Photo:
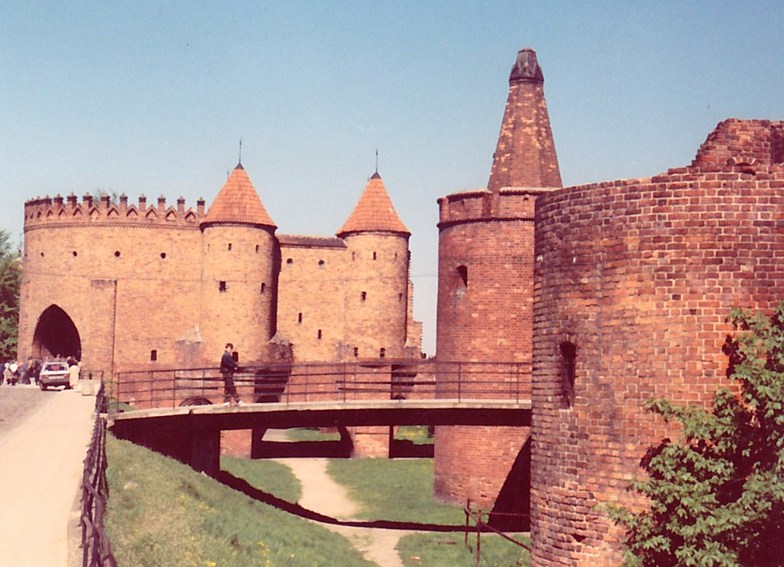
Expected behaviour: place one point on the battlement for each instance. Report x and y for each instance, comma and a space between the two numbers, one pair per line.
748, 144
49, 211
508, 203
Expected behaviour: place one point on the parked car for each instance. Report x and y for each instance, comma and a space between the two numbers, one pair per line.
54, 373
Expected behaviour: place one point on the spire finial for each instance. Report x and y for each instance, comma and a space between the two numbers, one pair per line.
240, 160
376, 160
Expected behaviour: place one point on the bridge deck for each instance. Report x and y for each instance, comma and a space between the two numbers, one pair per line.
356, 412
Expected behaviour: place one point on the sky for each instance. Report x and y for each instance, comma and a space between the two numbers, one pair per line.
153, 98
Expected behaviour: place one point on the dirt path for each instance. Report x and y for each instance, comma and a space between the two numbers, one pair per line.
321, 494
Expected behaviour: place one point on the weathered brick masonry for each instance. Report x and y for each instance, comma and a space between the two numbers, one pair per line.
634, 280
485, 292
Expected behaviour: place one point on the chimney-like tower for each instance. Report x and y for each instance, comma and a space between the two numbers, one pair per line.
485, 295
525, 155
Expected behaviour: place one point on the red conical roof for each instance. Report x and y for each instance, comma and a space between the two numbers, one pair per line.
238, 203
374, 211
525, 154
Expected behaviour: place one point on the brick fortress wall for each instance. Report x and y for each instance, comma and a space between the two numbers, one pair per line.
112, 268
137, 282
634, 280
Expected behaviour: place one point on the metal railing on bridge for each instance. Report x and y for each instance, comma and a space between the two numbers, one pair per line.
312, 382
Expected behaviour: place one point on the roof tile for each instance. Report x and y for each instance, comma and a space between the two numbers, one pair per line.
238, 202
374, 211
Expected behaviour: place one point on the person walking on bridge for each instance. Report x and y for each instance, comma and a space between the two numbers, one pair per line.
227, 368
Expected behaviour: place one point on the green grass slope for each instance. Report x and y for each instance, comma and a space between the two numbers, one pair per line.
161, 513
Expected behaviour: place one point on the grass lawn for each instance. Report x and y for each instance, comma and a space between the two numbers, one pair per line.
449, 550
394, 489
162, 513
417, 434
403, 490
269, 476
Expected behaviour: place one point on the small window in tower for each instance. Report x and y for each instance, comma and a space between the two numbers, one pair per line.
263, 287
229, 247
75, 253
353, 256
319, 334
116, 253
222, 286
568, 373
363, 295
163, 255
382, 352
299, 318
462, 271
400, 297
374, 255
153, 355
289, 261
257, 248
356, 351
321, 263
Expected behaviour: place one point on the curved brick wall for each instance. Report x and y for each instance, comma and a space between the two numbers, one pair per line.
639, 277
110, 267
485, 243
376, 293
243, 259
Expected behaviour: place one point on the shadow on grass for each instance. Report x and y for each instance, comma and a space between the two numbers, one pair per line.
241, 485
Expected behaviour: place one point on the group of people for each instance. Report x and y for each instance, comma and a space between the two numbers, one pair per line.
15, 373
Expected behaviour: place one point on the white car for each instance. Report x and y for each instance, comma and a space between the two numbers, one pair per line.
54, 373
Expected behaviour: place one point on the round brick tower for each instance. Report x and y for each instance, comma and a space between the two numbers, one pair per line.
485, 293
634, 280
241, 261
377, 282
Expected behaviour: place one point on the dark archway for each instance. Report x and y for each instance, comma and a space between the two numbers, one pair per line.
56, 334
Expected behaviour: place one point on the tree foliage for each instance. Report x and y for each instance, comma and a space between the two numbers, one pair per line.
717, 494
10, 282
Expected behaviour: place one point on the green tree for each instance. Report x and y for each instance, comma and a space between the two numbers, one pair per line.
10, 282
717, 494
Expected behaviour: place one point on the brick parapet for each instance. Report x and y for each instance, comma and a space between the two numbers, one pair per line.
69, 211
638, 276
481, 205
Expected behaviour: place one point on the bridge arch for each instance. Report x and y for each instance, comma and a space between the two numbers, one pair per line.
56, 334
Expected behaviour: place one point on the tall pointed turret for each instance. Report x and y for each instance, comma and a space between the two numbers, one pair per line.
374, 212
377, 285
525, 155
241, 258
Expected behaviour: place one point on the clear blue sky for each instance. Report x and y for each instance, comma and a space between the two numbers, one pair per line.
152, 98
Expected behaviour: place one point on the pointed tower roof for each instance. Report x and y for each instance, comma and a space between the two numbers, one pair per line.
525, 154
238, 203
374, 212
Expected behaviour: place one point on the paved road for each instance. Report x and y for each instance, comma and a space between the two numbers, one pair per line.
43, 442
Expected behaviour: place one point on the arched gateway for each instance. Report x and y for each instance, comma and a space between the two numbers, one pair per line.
55, 334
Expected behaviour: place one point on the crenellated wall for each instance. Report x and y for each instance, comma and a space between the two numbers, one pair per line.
43, 211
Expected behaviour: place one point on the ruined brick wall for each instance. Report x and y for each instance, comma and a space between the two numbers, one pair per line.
634, 280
